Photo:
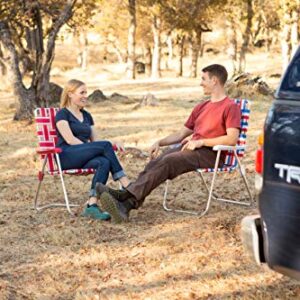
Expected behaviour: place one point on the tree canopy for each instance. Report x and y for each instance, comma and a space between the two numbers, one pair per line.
144, 30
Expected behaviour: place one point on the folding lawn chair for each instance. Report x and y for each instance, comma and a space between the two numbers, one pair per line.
232, 161
47, 138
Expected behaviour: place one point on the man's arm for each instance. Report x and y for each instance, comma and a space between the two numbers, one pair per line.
173, 138
230, 139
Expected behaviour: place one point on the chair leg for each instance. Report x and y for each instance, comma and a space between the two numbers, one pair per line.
209, 191
67, 204
244, 178
242, 172
41, 178
63, 186
204, 183
210, 195
214, 196
165, 203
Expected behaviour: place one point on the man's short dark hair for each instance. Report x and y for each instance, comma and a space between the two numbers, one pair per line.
217, 70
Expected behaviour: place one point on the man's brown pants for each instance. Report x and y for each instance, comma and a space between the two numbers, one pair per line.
169, 165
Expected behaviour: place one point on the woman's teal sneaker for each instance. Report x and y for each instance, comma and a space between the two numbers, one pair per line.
94, 212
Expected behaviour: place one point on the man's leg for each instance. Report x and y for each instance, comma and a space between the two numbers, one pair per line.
123, 195
169, 166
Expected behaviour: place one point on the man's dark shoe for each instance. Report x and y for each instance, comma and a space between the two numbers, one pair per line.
120, 195
119, 211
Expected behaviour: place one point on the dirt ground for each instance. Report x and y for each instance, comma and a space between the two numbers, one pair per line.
157, 255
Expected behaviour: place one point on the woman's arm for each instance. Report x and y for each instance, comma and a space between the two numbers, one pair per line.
65, 130
118, 145
93, 134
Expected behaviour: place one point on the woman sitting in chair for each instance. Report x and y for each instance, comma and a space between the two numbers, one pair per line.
77, 139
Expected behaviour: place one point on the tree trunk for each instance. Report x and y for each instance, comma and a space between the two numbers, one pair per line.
26, 55
117, 51
246, 37
170, 51
41, 77
294, 29
269, 40
155, 70
181, 43
22, 95
82, 44
232, 44
148, 60
25, 99
3, 68
267, 30
258, 27
196, 45
286, 46
85, 52
201, 52
131, 40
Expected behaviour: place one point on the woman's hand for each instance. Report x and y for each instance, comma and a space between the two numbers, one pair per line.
119, 146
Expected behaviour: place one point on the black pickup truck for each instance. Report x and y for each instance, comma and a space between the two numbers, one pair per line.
273, 237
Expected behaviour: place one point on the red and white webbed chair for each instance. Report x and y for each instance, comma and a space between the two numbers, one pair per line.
47, 138
232, 162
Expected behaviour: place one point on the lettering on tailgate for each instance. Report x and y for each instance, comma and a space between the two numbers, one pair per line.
288, 173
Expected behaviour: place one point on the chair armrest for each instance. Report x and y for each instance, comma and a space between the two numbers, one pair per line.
227, 148
48, 150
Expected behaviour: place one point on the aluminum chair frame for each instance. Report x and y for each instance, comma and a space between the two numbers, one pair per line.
228, 169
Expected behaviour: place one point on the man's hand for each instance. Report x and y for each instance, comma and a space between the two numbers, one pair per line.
185, 140
192, 145
154, 150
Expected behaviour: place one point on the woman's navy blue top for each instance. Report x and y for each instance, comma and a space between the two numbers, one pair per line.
81, 130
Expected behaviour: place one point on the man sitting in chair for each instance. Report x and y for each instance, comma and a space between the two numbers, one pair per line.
212, 122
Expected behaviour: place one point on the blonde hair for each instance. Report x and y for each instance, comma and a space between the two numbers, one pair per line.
71, 86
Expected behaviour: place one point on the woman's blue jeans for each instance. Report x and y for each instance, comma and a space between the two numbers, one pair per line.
96, 155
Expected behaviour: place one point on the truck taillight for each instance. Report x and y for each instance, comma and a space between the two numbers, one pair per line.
259, 164
259, 161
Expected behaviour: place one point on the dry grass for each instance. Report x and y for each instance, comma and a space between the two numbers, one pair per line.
157, 255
